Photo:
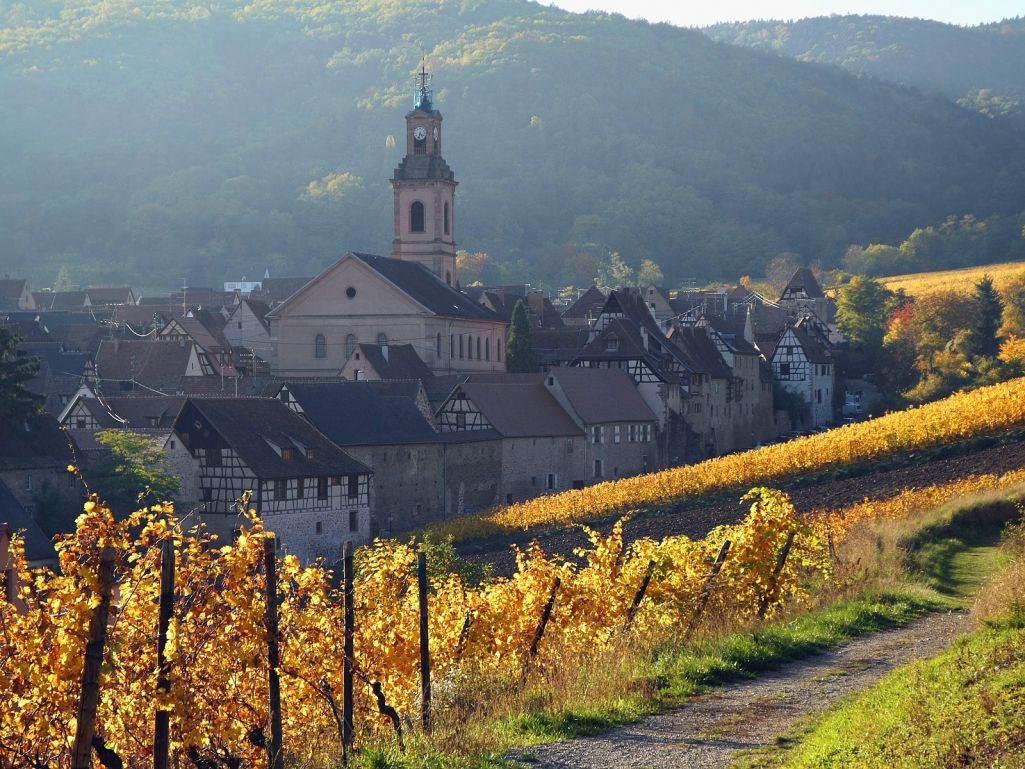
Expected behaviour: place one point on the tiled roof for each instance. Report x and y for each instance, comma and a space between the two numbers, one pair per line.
251, 425
587, 306
143, 316
600, 395
118, 295
520, 409
426, 288
150, 363
699, 352
59, 300
767, 343
402, 362
360, 414
803, 284
277, 290
18, 520
814, 349
36, 443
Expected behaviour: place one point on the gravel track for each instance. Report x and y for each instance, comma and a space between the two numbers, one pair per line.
696, 521
707, 732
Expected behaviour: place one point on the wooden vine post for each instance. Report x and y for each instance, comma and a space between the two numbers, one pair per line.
781, 559
348, 592
275, 759
425, 650
638, 597
546, 614
90, 697
706, 589
162, 720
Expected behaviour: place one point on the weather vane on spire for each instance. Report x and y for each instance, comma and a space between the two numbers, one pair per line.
422, 88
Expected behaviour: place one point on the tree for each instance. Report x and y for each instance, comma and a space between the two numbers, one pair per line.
863, 307
649, 274
985, 338
519, 347
133, 473
613, 272
16, 369
1014, 307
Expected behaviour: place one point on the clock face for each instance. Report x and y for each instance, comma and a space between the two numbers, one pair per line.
419, 133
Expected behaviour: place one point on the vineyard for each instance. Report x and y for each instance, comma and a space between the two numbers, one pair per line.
925, 283
986, 411
212, 684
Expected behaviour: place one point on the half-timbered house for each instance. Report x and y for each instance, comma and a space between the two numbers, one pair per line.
310, 493
802, 363
542, 447
420, 475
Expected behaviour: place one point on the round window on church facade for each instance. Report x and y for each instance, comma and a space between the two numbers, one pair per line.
351, 292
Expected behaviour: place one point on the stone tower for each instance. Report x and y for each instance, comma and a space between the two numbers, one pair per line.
424, 189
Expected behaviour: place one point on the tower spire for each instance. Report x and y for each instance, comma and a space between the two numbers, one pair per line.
422, 88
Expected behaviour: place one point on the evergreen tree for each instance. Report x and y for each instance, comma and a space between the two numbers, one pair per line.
16, 368
985, 339
519, 347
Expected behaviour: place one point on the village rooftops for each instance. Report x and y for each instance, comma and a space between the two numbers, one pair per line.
363, 413
519, 407
272, 440
587, 306
393, 361
601, 395
802, 285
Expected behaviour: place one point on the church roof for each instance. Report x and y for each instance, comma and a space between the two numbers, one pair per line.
426, 288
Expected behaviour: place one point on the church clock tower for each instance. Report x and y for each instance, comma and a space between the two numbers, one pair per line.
424, 189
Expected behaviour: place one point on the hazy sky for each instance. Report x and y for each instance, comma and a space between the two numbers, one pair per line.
700, 14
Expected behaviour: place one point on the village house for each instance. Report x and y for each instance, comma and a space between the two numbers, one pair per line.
542, 447
420, 475
384, 362
15, 294
619, 427
248, 332
34, 457
310, 493
803, 363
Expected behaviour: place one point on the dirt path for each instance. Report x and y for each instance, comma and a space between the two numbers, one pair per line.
697, 520
708, 731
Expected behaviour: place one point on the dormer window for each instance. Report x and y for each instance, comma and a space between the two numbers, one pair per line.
287, 453
311, 453
611, 344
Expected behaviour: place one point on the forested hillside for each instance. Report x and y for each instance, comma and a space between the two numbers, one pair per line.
981, 67
157, 140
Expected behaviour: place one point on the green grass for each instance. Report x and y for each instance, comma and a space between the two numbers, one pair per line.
965, 707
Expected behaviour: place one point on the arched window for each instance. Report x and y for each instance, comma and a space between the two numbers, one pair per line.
460, 346
478, 348
350, 345
446, 218
382, 339
319, 346
448, 278
438, 349
451, 345
498, 348
416, 217
487, 348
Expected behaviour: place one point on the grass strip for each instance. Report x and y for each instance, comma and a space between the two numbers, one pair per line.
671, 675
965, 707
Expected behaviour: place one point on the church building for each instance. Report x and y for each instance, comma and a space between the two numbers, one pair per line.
409, 298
